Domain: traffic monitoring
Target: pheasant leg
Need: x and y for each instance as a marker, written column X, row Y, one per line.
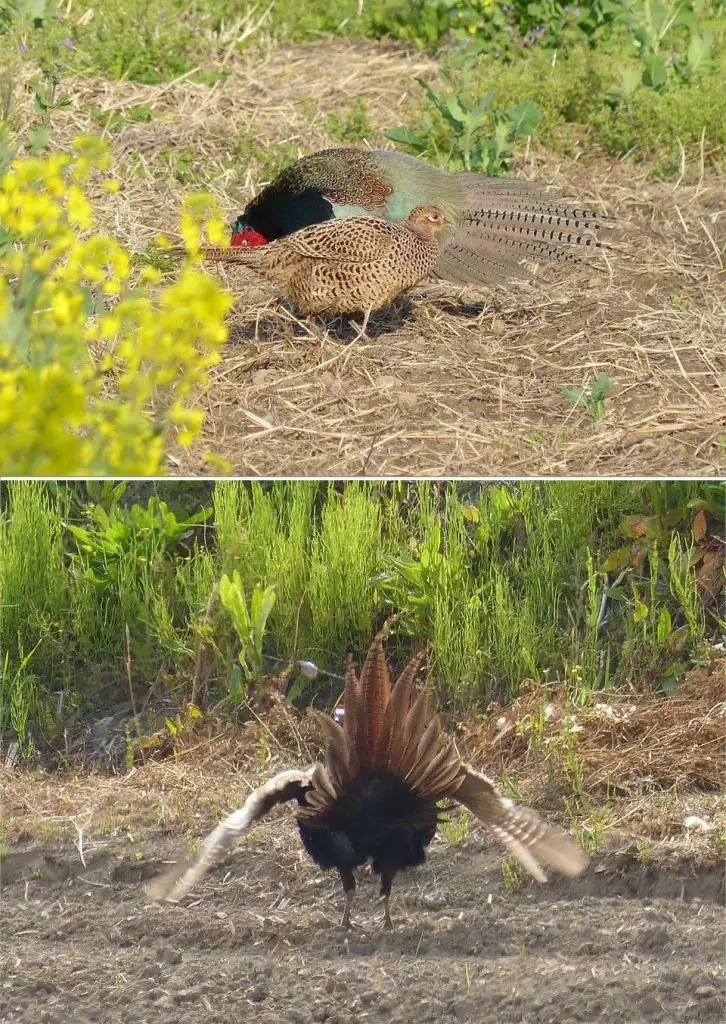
column 386, row 882
column 348, row 880
column 362, row 332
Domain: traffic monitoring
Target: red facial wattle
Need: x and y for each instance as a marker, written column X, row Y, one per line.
column 247, row 236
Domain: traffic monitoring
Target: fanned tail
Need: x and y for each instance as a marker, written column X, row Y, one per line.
column 506, row 221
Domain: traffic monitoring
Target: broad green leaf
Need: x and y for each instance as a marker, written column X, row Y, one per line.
column 617, row 560
column 575, row 395
column 656, row 72
column 640, row 612
column 524, row 117
column 664, row 627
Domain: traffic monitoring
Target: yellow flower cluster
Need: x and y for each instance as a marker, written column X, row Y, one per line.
column 96, row 376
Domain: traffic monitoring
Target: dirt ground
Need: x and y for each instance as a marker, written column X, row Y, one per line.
column 261, row 942
column 451, row 381
column 638, row 938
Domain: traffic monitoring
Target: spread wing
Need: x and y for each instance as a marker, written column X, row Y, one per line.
column 526, row 836
column 288, row 785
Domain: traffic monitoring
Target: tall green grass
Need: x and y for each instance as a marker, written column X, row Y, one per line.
column 506, row 582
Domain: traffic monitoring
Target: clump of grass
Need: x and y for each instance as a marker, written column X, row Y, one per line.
column 507, row 584
column 455, row 830
column 350, row 124
column 516, row 878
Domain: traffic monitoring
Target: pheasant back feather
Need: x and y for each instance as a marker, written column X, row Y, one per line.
column 358, row 263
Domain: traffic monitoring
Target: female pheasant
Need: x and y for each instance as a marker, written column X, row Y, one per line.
column 492, row 223
column 377, row 796
column 343, row 266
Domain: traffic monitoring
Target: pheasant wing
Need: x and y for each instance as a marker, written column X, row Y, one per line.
column 288, row 785
column 520, row 829
column 349, row 240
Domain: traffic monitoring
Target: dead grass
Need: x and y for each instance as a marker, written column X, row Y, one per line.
column 625, row 744
column 653, row 771
column 452, row 382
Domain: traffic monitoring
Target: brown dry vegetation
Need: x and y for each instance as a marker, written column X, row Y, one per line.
column 451, row 381
column 651, row 762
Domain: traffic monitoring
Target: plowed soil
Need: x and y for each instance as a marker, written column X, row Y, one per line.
column 260, row 941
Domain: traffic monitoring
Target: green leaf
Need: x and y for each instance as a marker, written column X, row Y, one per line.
column 617, row 560
column 664, row 627
column 656, row 71
column 38, row 139
column 440, row 101
column 640, row 612
column 406, row 136
column 575, row 395
column 524, row 117
column 31, row 10
column 630, row 79
column 700, row 53
column 601, row 386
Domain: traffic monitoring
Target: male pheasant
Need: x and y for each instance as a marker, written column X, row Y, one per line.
column 377, row 796
column 492, row 223
column 343, row 266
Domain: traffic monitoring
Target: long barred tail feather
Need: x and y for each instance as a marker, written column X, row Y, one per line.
column 507, row 221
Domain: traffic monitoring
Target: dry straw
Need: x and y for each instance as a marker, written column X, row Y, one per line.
column 453, row 382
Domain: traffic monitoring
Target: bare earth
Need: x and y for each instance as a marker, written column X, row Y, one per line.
column 638, row 938
column 261, row 942
column 451, row 381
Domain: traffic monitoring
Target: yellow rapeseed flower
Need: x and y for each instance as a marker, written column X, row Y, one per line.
column 101, row 393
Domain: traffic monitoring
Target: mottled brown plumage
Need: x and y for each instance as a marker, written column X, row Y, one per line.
column 345, row 266
column 377, row 796
column 492, row 223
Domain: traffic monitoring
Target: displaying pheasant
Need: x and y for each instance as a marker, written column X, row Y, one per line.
column 343, row 266
column 492, row 223
column 377, row 796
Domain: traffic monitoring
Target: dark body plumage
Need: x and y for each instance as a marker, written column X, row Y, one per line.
column 494, row 222
column 377, row 819
column 377, row 799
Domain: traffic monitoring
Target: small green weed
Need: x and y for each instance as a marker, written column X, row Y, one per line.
column 591, row 398
column 249, row 622
column 455, row 830
column 644, row 851
column 115, row 120
column 588, row 823
column 516, row 878
column 478, row 135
